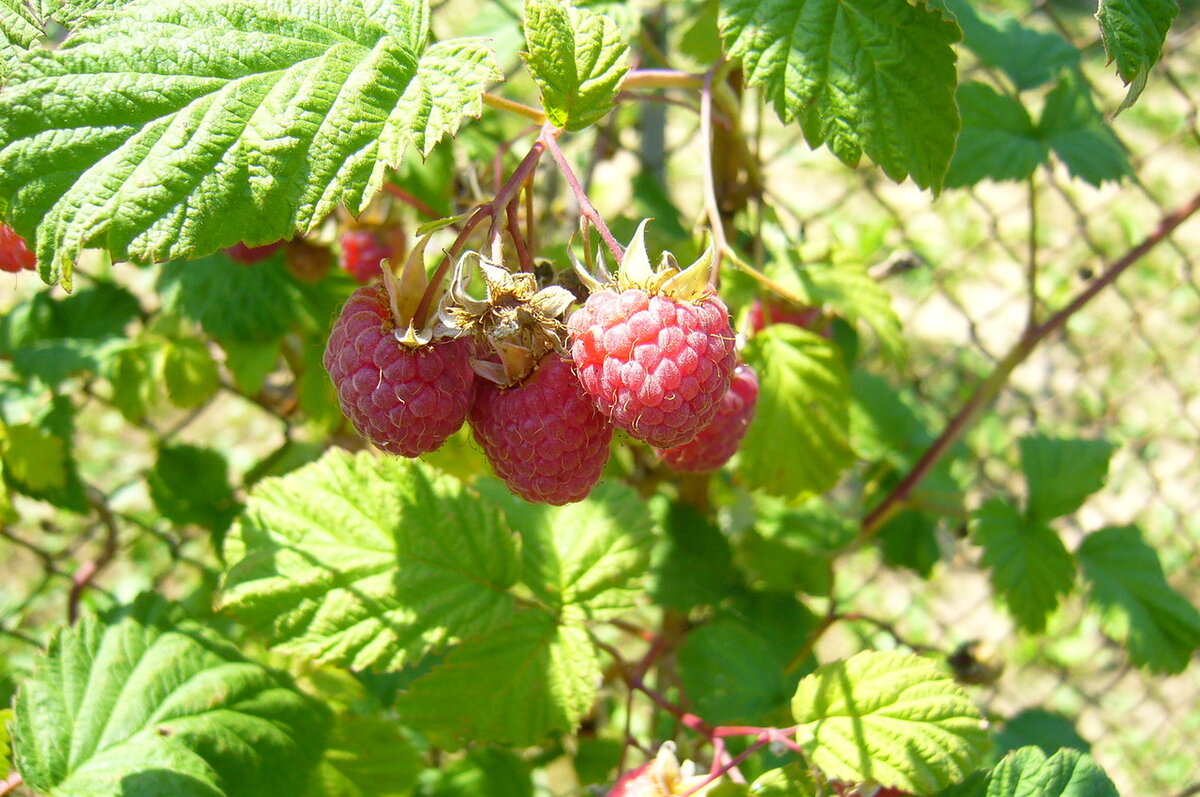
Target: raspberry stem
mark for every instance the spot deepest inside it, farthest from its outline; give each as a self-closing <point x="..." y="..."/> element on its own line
<point x="586" y="209"/>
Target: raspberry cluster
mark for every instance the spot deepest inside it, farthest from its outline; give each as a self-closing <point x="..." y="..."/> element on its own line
<point x="651" y="353"/>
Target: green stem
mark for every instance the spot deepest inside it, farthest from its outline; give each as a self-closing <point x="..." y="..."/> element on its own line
<point x="518" y="108"/>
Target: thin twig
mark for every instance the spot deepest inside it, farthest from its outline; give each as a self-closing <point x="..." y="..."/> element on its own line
<point x="586" y="209"/>
<point x="711" y="207"/>
<point x="11" y="784"/>
<point x="411" y="200"/>
<point x="88" y="571"/>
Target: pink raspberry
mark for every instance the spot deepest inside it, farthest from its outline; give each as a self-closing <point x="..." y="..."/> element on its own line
<point x="544" y="438"/>
<point x="14" y="254"/>
<point x="362" y="252"/>
<point x="655" y="365"/>
<point x="718" y="441"/>
<point x="406" y="401"/>
<point x="249" y="255"/>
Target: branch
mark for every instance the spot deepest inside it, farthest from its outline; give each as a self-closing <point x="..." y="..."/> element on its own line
<point x="87" y="572"/>
<point x="1021" y="350"/>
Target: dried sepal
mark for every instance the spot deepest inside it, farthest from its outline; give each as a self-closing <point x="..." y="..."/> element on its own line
<point x="405" y="291"/>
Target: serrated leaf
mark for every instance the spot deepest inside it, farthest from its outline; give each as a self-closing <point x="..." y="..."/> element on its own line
<point x="407" y="20"/>
<point x="1040" y="728"/>
<point x="231" y="301"/>
<point x="859" y="75"/>
<point x="998" y="141"/>
<point x="515" y="686"/>
<point x="799" y="441"/>
<point x="577" y="58"/>
<point x="1133" y="32"/>
<point x="367" y="562"/>
<point x="34" y="457"/>
<point x="188" y="370"/>
<point x="57" y="419"/>
<point x="448" y="86"/>
<point x="148" y="703"/>
<point x="1079" y="135"/>
<point x="790" y="781"/>
<point x="1061" y="473"/>
<point x="731" y="674"/>
<point x="1031" y="569"/>
<point x="130" y="367"/>
<point x="6" y="716"/>
<point x="1029" y="57"/>
<point x="693" y="563"/>
<point x="367" y="756"/>
<point x="254" y="120"/>
<point x="1067" y="773"/>
<point x="892" y="718"/>
<point x="1158" y="626"/>
<point x="585" y="553"/>
<point x="189" y="484"/>
<point x="19" y="30"/>
<point x="849" y="291"/>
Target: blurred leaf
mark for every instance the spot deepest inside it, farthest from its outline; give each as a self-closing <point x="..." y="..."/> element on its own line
<point x="859" y="75"/>
<point x="1158" y="626"/>
<point x="6" y="716"/>
<point x="189" y="372"/>
<point x="586" y="553"/>
<point x="909" y="539"/>
<point x="514" y="686"/>
<point x="52" y="361"/>
<point x="1133" y="32"/>
<point x="1079" y="135"/>
<point x="693" y="564"/>
<point x="129" y="366"/>
<point x="368" y="562"/>
<point x="577" y="58"/>
<point x="731" y="674"/>
<point x="97" y="312"/>
<point x="1039" y="728"/>
<point x="367" y="756"/>
<point x="250" y="363"/>
<point x="998" y="141"/>
<point x="1029" y="57"/>
<point x="30" y="322"/>
<point x="896" y="719"/>
<point x="792" y="548"/>
<point x="699" y="37"/>
<point x="1067" y="773"/>
<point x="1031" y="569"/>
<point x="483" y="772"/>
<point x="54" y="421"/>
<point x="189" y="484"/>
<point x="848" y="290"/>
<point x="315" y="391"/>
<point x="790" y="781"/>
<point x="146" y="703"/>
<point x="596" y="759"/>
<point x="798" y="443"/>
<point x="1062" y="473"/>
<point x="34" y="457"/>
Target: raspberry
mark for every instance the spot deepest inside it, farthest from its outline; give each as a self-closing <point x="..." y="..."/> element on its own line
<point x="362" y="251"/>
<point x="14" y="254"/>
<point x="405" y="400"/>
<point x="657" y="366"/>
<point x="249" y="255"/>
<point x="544" y="438"/>
<point x="664" y="777"/>
<point x="763" y="314"/>
<point x="717" y="442"/>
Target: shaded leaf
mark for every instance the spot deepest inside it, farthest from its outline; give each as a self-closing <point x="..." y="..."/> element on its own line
<point x="367" y="756"/>
<point x="189" y="484"/>
<point x="1133" y="32"/>
<point x="189" y="372"/>
<point x="1079" y="135"/>
<point x="998" y="141"/>
<point x="1062" y="473"/>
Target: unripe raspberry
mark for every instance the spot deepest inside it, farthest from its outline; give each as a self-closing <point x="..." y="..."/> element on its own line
<point x="14" y="254"/>
<point x="657" y="366"/>
<point x="405" y="399"/>
<point x="362" y="252"/>
<point x="718" y="441"/>
<point x="544" y="438"/>
<point x="249" y="255"/>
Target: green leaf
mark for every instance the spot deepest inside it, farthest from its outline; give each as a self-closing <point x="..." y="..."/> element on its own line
<point x="368" y="562"/>
<point x="790" y="781"/>
<point x="130" y="366"/>
<point x="250" y="363"/>
<point x="585" y="553"/>
<point x="848" y="290"/>
<point x="449" y="85"/>
<point x="6" y="716"/>
<point x="367" y="756"/>
<point x="731" y="674"/>
<point x="189" y="484"/>
<point x="97" y="312"/>
<point x="1067" y="773"/>
<point x="514" y="686"/>
<point x="146" y="703"/>
<point x="909" y="539"/>
<point x="1031" y="569"/>
<point x="1039" y="728"/>
<point x="19" y="30"/>
<point x="254" y="120"/>
<point x="799" y="441"/>
<point x="483" y="772"/>
<point x="1160" y="628"/>
<point x="892" y="718"/>
<point x="998" y="141"/>
<point x="1133" y="32"/>
<point x="34" y="457"/>
<point x="577" y="58"/>
<point x="1029" y="57"/>
<point x="693" y="563"/>
<point x="1062" y="473"/>
<point x="407" y="20"/>
<point x="189" y="372"/>
<point x="792" y="548"/>
<point x="55" y="420"/>
<point x="860" y="75"/>
<point x="1078" y="134"/>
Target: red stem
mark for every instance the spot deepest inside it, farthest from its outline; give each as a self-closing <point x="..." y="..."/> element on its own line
<point x="87" y="572"/>
<point x="586" y="208"/>
<point x="410" y="200"/>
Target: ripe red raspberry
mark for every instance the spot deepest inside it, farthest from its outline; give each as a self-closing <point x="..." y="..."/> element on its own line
<point x="544" y="438"/>
<point x="657" y="366"/>
<point x="763" y="314"/>
<point x="249" y="255"/>
<point x="718" y="441"/>
<point x="362" y="251"/>
<point x="14" y="254"/>
<point x="405" y="400"/>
